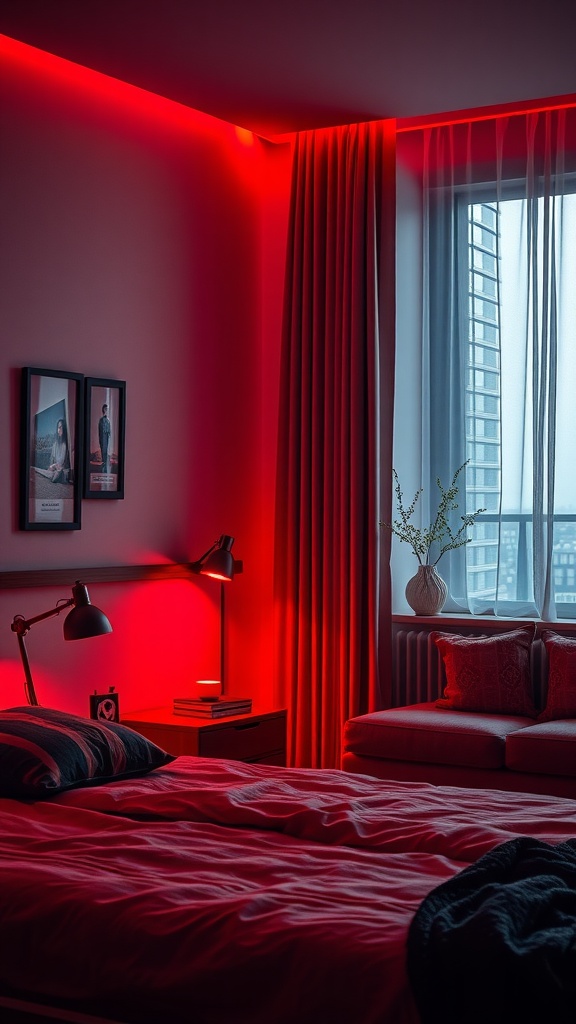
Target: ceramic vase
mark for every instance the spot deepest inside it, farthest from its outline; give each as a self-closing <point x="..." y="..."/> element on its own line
<point x="426" y="592"/>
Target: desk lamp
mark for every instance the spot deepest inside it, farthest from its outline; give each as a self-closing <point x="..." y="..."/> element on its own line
<point x="82" y="621"/>
<point x="219" y="563"/>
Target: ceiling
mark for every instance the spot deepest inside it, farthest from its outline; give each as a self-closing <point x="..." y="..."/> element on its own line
<point x="276" y="66"/>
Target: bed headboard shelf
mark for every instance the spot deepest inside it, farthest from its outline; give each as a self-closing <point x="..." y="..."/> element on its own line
<point x="95" y="574"/>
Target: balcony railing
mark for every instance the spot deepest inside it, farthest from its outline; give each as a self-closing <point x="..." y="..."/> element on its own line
<point x="514" y="568"/>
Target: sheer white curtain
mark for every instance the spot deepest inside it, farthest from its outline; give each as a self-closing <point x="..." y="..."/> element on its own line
<point x="499" y="353"/>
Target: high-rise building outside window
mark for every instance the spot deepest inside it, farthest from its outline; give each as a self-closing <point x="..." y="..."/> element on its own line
<point x="500" y="557"/>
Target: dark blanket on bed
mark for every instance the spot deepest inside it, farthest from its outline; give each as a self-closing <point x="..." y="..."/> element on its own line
<point x="496" y="944"/>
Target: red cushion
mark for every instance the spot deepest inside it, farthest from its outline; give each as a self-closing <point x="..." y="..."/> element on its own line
<point x="561" y="697"/>
<point x="488" y="673"/>
<point x="547" y="749"/>
<point x="423" y="733"/>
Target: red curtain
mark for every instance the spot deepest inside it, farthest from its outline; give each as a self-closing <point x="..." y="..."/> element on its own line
<point x="332" y="580"/>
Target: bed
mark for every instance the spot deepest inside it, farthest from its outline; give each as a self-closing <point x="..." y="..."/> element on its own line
<point x="142" y="889"/>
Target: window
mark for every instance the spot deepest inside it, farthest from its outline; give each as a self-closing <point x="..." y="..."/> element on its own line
<point x="496" y="361"/>
<point x="492" y="341"/>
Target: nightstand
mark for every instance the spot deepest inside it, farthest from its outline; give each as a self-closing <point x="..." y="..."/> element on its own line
<point x="258" y="738"/>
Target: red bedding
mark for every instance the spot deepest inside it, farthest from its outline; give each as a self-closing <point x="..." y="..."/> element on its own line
<point x="215" y="892"/>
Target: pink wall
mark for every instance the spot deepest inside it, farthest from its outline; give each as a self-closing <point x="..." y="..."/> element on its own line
<point x="143" y="241"/>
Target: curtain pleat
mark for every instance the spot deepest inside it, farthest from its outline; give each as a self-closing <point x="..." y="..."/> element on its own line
<point x="332" y="586"/>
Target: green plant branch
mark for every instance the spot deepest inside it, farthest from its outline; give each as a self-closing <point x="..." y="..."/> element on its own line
<point x="439" y="531"/>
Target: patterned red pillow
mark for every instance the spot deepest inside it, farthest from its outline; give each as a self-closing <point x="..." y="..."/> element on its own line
<point x="488" y="673"/>
<point x="561" y="696"/>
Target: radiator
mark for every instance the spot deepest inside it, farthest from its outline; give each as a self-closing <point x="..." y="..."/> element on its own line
<point x="418" y="670"/>
<point x="418" y="674"/>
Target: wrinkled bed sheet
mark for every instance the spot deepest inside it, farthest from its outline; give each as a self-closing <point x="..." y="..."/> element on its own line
<point x="215" y="892"/>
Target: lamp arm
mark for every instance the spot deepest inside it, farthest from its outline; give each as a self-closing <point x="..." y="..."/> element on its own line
<point x="29" y="685"/>
<point x="197" y="565"/>
<point x="222" y="636"/>
<point x="21" y="626"/>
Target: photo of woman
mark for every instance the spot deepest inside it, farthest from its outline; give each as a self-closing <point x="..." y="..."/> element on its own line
<point x="60" y="456"/>
<point x="52" y="408"/>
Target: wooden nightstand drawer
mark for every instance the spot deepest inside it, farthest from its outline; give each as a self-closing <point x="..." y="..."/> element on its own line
<point x="248" y="740"/>
<point x="259" y="737"/>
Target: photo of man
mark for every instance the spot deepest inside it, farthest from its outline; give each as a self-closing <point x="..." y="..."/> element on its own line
<point x="104" y="437"/>
<point x="104" y="458"/>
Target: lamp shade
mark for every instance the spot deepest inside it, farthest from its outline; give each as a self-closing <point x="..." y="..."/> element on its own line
<point x="85" y="619"/>
<point x="220" y="563"/>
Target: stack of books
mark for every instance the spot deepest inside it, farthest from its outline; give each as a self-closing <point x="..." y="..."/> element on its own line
<point x="219" y="708"/>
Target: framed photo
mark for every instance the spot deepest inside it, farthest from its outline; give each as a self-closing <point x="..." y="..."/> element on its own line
<point x="105" y="706"/>
<point x="51" y="449"/>
<point x="105" y="438"/>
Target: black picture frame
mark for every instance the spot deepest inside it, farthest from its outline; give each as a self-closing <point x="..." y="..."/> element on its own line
<point x="104" y="454"/>
<point x="105" y="706"/>
<point x="51" y="447"/>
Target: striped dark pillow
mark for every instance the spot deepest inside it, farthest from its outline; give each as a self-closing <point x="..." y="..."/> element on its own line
<point x="43" y="751"/>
